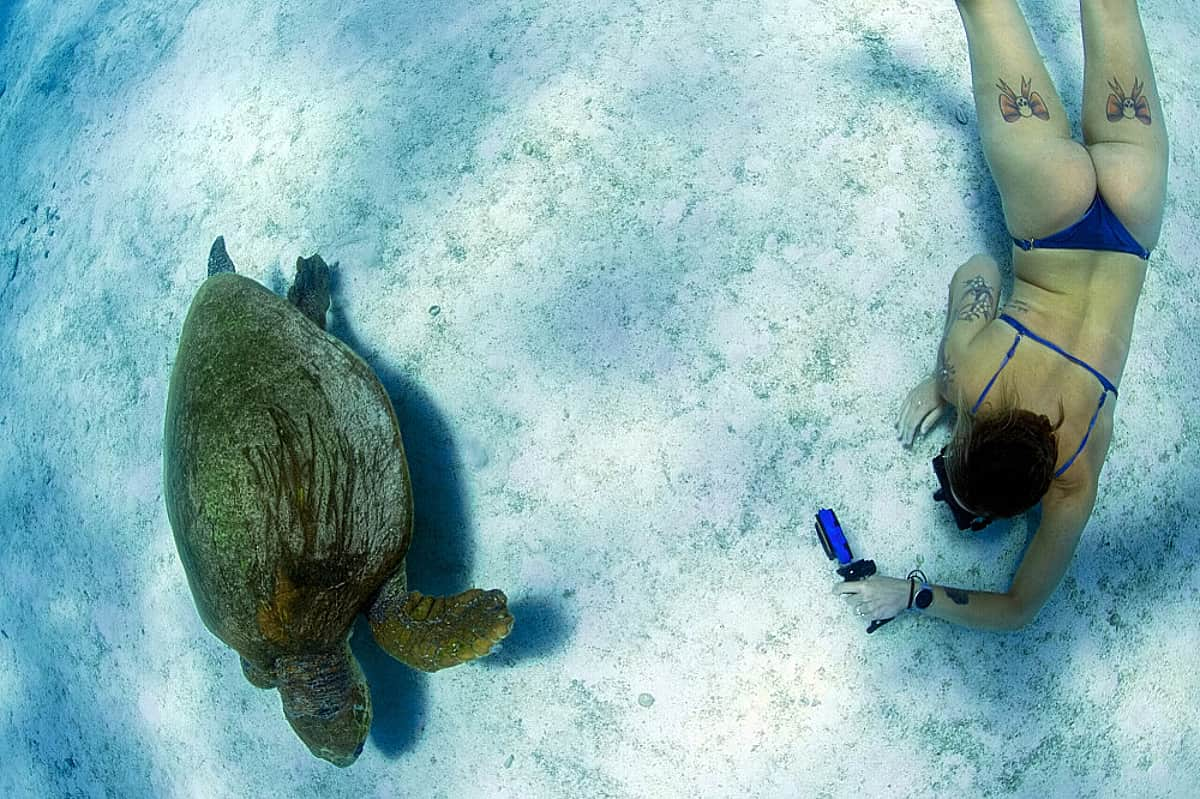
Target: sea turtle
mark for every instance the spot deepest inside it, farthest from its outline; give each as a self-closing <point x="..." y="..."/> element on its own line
<point x="288" y="493"/>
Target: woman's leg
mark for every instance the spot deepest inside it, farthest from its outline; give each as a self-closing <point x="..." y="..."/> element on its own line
<point x="1046" y="179"/>
<point x="1123" y="125"/>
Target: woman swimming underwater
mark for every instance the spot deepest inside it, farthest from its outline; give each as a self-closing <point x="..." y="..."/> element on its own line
<point x="1035" y="381"/>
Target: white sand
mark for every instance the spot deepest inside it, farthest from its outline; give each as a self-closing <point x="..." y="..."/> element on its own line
<point x="687" y="258"/>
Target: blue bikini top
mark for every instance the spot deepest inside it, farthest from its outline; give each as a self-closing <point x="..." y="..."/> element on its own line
<point x="1104" y="381"/>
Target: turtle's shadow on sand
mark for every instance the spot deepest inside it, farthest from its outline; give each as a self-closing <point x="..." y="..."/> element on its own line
<point x="399" y="700"/>
<point x="440" y="558"/>
<point x="441" y="555"/>
<point x="540" y="627"/>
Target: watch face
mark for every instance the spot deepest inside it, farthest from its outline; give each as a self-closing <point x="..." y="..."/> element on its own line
<point x="924" y="598"/>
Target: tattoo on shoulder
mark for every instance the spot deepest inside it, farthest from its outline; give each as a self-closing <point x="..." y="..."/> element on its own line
<point x="957" y="595"/>
<point x="978" y="300"/>
<point x="1132" y="106"/>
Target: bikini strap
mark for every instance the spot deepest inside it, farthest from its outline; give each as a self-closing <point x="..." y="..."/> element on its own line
<point x="1083" y="443"/>
<point x="1045" y="342"/>
<point x="1003" y="363"/>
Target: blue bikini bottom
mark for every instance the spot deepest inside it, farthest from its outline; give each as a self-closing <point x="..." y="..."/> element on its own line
<point x="1099" y="229"/>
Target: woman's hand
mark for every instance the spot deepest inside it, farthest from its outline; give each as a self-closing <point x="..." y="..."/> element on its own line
<point x="920" y="411"/>
<point x="876" y="597"/>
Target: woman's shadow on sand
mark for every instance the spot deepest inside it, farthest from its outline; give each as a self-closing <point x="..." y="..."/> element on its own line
<point x="440" y="559"/>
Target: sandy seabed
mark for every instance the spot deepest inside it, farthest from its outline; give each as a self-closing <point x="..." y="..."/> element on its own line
<point x="647" y="283"/>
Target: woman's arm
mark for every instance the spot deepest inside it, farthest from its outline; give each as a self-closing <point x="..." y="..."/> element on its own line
<point x="1041" y="569"/>
<point x="974" y="297"/>
<point x="1064" y="515"/>
<point x="982" y="610"/>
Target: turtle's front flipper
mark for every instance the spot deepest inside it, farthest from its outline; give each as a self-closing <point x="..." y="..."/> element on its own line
<point x="431" y="633"/>
<point x="310" y="289"/>
<point x="219" y="260"/>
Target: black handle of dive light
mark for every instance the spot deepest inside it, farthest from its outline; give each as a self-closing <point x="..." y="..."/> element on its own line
<point x="877" y="623"/>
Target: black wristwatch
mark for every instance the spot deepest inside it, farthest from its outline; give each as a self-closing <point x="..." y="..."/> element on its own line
<point x="924" y="597"/>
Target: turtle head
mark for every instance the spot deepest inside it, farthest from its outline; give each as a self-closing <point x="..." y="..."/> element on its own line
<point x="325" y="699"/>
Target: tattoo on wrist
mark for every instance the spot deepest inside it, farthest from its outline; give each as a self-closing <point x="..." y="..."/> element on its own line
<point x="978" y="300"/>
<point x="957" y="595"/>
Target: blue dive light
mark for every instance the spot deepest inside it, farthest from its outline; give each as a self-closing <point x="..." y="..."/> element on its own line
<point x="829" y="530"/>
<point x="833" y="541"/>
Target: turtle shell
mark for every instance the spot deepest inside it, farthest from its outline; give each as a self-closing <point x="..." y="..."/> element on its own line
<point x="284" y="474"/>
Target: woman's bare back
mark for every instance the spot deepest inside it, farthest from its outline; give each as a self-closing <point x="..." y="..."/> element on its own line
<point x="1085" y="302"/>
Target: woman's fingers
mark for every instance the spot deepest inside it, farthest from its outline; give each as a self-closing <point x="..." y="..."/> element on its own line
<point x="907" y="428"/>
<point x="919" y="412"/>
<point x="931" y="419"/>
<point x="912" y="420"/>
<point x="905" y="421"/>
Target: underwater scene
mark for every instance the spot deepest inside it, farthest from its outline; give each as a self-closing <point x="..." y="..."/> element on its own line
<point x="735" y="398"/>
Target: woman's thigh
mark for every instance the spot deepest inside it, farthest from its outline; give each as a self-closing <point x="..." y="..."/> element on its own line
<point x="1123" y="125"/>
<point x="1046" y="179"/>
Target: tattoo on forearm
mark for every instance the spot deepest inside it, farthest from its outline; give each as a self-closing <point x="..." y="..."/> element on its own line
<point x="978" y="300"/>
<point x="957" y="595"/>
<point x="1135" y="106"/>
<point x="1028" y="104"/>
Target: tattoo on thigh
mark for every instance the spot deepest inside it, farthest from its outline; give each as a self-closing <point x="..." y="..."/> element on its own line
<point x="1134" y="106"/>
<point x="1027" y="104"/>
<point x="957" y="595"/>
<point x="977" y="301"/>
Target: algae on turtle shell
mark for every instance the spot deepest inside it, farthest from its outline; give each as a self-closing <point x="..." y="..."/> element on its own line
<point x="288" y="493"/>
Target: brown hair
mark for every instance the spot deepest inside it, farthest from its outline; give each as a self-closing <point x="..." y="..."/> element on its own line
<point x="1001" y="461"/>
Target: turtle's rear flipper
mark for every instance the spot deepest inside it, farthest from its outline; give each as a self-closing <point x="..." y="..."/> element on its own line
<point x="310" y="289"/>
<point x="219" y="260"/>
<point x="431" y="633"/>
